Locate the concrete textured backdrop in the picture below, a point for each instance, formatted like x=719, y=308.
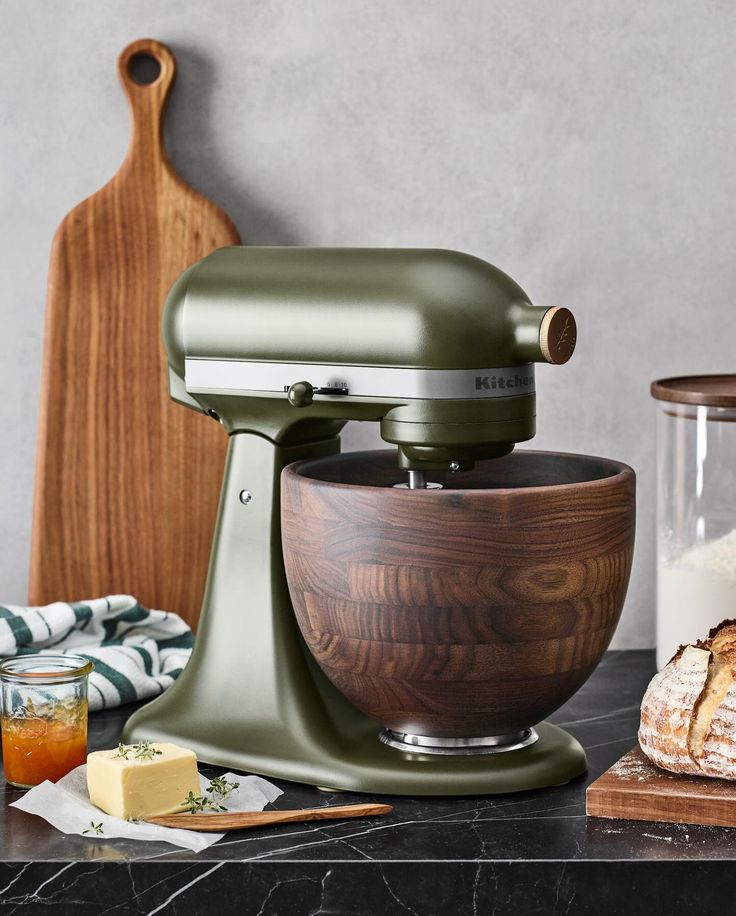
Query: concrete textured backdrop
x=585, y=147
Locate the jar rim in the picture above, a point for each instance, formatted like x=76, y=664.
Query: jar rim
x=701, y=390
x=45, y=668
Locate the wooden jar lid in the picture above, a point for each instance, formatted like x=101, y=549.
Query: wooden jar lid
x=703, y=390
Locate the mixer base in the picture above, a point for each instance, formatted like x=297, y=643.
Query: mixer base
x=349, y=757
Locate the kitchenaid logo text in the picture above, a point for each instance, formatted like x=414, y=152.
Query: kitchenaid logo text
x=488, y=382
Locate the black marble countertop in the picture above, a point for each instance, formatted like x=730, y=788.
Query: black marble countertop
x=528, y=853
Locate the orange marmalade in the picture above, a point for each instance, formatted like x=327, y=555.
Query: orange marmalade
x=36, y=748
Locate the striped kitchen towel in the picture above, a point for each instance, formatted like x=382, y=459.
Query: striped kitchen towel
x=137, y=653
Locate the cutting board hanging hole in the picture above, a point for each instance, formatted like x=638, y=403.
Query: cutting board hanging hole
x=144, y=69
x=147, y=70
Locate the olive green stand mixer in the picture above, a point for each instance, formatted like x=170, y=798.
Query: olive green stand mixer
x=284, y=346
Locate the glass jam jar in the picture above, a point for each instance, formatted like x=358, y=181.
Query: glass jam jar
x=696, y=508
x=44, y=716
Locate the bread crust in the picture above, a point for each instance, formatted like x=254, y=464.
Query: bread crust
x=688, y=714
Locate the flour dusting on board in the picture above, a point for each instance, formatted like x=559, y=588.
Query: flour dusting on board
x=632, y=767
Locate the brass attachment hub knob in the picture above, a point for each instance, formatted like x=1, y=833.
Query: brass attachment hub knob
x=558, y=334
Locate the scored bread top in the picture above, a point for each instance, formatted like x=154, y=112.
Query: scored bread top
x=722, y=639
x=688, y=714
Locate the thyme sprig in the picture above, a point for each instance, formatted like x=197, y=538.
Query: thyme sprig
x=94, y=828
x=144, y=750
x=195, y=804
x=221, y=788
x=215, y=793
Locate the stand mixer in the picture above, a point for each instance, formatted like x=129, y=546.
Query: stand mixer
x=510, y=570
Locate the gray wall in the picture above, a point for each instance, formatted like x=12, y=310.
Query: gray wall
x=587, y=148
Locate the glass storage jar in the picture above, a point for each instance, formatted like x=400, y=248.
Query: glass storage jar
x=44, y=716
x=696, y=508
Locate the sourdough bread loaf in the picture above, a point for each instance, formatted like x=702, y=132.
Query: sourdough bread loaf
x=688, y=714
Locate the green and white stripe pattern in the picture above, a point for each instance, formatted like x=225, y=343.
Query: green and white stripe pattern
x=137, y=653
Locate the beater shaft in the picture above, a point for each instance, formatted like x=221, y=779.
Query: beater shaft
x=417, y=480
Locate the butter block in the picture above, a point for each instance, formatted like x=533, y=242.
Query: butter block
x=138, y=787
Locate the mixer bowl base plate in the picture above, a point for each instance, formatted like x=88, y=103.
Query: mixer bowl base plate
x=462, y=747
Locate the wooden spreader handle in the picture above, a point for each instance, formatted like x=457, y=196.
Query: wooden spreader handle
x=245, y=820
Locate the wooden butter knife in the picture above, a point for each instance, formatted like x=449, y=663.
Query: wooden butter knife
x=245, y=820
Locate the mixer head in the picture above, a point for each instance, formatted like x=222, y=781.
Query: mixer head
x=292, y=343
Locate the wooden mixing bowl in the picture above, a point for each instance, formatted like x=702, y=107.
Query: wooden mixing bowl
x=475, y=610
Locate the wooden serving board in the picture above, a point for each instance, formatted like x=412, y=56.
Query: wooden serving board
x=127, y=481
x=635, y=789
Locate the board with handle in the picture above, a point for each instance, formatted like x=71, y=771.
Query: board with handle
x=127, y=481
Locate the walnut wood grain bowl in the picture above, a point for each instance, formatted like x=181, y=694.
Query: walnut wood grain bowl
x=470, y=611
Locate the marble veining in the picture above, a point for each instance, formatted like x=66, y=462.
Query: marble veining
x=527, y=853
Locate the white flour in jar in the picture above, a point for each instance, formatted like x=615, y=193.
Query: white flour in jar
x=694, y=593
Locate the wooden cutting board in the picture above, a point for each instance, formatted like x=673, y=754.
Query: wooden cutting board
x=127, y=481
x=634, y=789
